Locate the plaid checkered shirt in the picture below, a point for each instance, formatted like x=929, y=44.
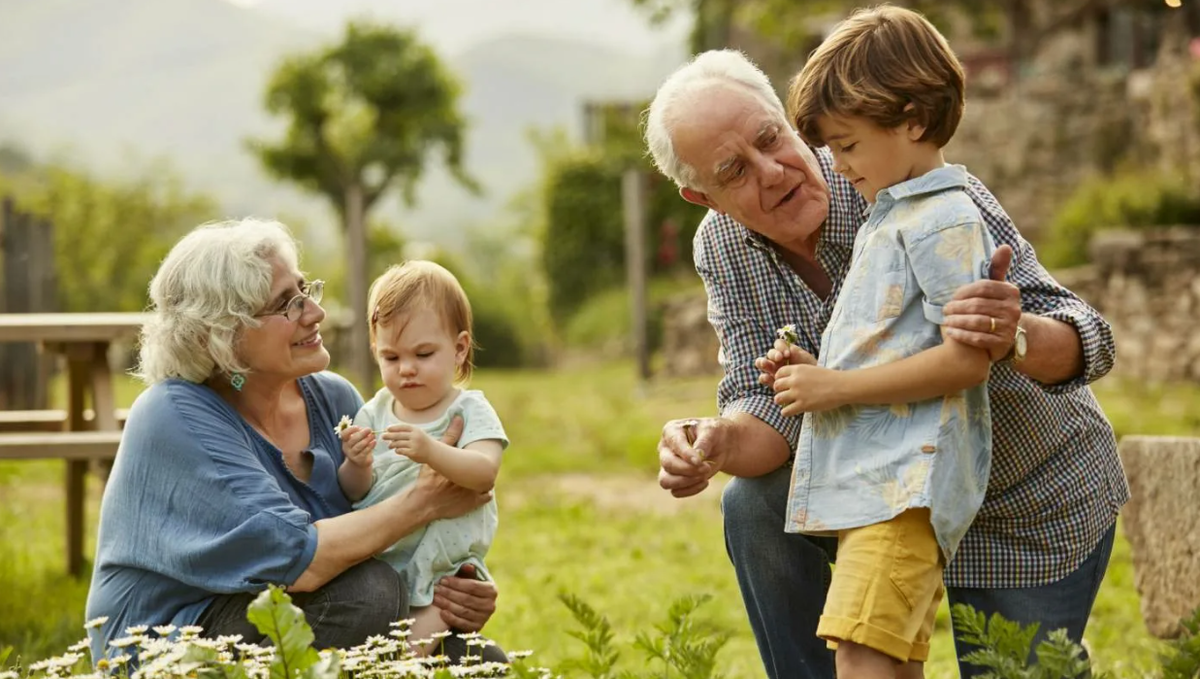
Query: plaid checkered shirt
x=1056, y=482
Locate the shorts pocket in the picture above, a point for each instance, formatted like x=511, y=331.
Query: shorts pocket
x=916, y=569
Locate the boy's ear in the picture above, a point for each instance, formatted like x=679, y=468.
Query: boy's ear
x=915, y=126
x=698, y=198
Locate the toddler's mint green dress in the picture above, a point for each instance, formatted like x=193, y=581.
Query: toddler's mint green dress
x=443, y=546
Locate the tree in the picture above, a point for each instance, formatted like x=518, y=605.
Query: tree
x=109, y=235
x=364, y=116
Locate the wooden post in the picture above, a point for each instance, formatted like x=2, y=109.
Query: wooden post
x=78, y=368
x=361, y=367
x=632, y=195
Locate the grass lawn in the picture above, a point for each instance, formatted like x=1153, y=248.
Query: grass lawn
x=581, y=513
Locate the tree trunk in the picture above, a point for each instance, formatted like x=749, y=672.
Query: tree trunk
x=361, y=368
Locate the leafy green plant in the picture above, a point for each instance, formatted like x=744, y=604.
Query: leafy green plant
x=683, y=647
x=1003, y=648
x=1181, y=660
x=1127, y=200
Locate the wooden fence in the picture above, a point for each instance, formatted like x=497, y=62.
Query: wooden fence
x=28, y=284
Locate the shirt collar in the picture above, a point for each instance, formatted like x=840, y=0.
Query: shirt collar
x=943, y=178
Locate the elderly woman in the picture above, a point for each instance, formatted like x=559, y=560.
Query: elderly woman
x=226, y=478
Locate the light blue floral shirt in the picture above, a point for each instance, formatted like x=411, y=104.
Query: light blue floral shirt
x=864, y=464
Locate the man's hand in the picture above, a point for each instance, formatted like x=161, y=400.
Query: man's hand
x=807, y=388
x=690, y=453
x=465, y=601
x=985, y=314
x=780, y=355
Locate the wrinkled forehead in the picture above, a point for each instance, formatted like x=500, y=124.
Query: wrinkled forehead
x=717, y=120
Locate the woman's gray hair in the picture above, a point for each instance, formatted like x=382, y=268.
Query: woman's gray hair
x=706, y=69
x=207, y=290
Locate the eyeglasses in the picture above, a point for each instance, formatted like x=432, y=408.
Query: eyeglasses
x=294, y=308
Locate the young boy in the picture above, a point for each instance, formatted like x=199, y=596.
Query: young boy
x=894, y=455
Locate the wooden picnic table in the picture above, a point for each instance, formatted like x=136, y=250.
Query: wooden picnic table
x=83, y=339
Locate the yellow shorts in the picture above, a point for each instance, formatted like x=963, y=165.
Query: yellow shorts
x=886, y=587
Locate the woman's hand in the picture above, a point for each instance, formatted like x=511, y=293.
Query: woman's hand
x=466, y=602
x=442, y=499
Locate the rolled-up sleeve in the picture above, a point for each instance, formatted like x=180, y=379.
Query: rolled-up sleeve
x=741, y=335
x=1041, y=294
x=946, y=258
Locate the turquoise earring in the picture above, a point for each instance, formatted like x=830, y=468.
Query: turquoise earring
x=237, y=381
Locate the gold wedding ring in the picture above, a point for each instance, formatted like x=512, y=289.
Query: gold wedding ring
x=993, y=320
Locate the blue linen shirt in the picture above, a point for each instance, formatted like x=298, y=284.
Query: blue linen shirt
x=859, y=465
x=1056, y=482
x=198, y=504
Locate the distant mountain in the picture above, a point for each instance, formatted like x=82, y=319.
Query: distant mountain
x=455, y=25
x=100, y=81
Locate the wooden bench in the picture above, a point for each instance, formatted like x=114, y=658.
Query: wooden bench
x=47, y=420
x=78, y=448
x=60, y=445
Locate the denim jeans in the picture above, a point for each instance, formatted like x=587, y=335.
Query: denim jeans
x=784, y=578
x=361, y=602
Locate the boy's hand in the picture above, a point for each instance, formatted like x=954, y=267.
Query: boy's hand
x=780, y=355
x=807, y=388
x=409, y=441
x=358, y=445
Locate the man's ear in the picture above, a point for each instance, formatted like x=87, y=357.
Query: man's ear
x=694, y=196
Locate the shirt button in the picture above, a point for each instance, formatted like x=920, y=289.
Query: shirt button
x=928, y=448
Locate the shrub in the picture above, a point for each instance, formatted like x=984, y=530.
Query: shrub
x=1003, y=650
x=1127, y=200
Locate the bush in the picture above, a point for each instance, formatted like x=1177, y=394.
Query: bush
x=1127, y=200
x=583, y=247
x=603, y=323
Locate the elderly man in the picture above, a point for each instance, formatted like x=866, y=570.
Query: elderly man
x=774, y=250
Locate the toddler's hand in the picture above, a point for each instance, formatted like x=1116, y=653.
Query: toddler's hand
x=409, y=441
x=358, y=445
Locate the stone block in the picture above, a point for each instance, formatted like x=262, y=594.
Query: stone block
x=1162, y=523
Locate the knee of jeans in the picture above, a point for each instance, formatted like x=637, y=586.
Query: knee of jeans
x=745, y=507
x=749, y=521
x=379, y=592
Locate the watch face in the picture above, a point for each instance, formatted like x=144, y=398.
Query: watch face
x=1019, y=341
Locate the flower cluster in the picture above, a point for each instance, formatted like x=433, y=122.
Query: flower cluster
x=788, y=334
x=167, y=652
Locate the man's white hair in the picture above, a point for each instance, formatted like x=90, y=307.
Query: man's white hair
x=705, y=70
x=207, y=289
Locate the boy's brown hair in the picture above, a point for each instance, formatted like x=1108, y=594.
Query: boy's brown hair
x=419, y=284
x=876, y=63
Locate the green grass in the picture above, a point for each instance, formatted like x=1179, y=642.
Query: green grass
x=580, y=512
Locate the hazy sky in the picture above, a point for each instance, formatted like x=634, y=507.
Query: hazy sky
x=453, y=25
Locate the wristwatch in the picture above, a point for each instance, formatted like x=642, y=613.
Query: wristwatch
x=1019, y=347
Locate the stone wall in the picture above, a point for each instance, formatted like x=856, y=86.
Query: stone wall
x=1147, y=285
x=1067, y=118
x=690, y=345
x=1162, y=524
